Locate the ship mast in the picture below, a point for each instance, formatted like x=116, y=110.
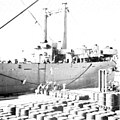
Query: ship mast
x=45, y=26
x=64, y=45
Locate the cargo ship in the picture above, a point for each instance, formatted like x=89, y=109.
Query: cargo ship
x=77, y=68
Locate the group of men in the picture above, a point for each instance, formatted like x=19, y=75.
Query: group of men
x=46, y=88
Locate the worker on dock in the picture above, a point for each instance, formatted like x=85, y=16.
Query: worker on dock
x=64, y=86
x=43, y=89
x=47, y=89
x=38, y=90
x=55, y=86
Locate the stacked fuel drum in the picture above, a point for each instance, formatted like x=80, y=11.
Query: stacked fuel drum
x=64, y=105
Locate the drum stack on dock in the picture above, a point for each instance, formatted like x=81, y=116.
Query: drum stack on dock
x=108, y=99
x=85, y=104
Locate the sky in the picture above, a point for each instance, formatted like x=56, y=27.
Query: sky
x=89, y=22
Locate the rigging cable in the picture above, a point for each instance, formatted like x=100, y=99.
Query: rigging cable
x=16, y=79
x=79, y=75
x=18, y=14
x=36, y=21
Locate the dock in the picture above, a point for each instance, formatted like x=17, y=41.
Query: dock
x=84, y=104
